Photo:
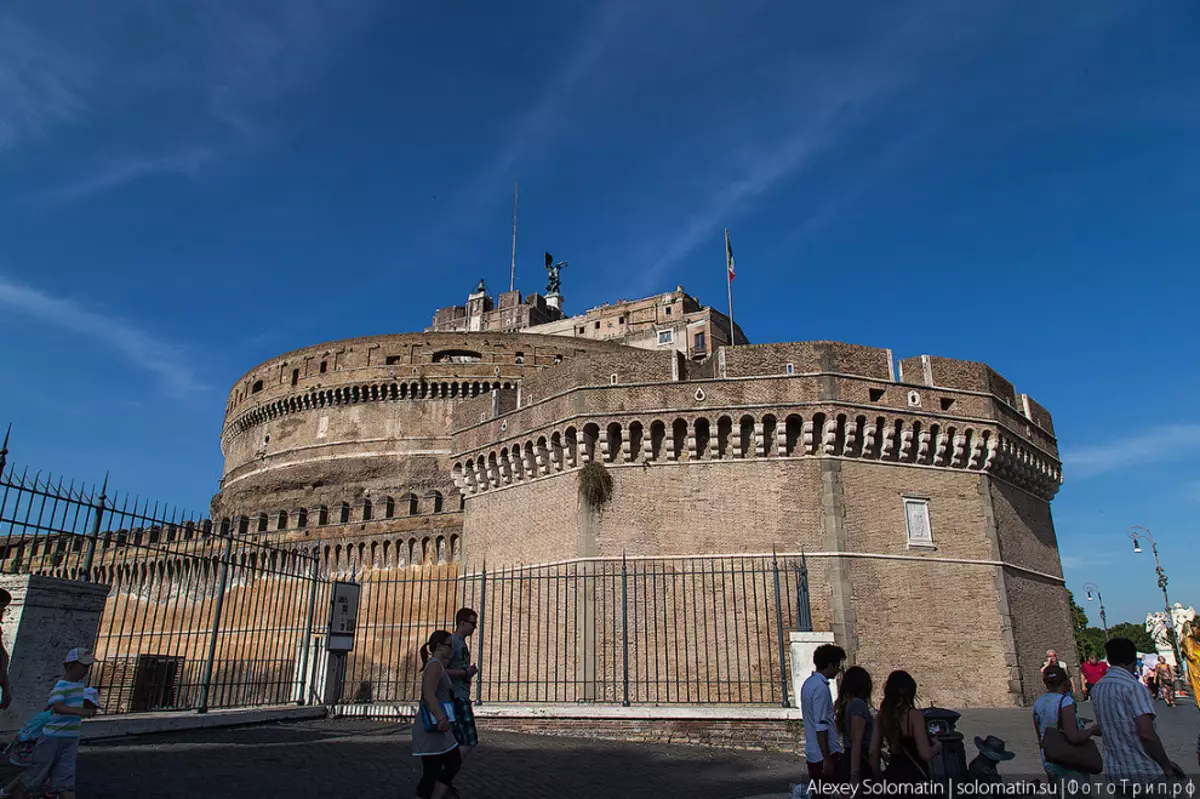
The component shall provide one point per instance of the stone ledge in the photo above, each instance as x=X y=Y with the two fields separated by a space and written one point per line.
x=118 y=726
x=585 y=712
x=721 y=727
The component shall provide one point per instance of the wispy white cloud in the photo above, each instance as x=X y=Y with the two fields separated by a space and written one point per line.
x=259 y=51
x=41 y=85
x=1088 y=561
x=821 y=100
x=1152 y=446
x=138 y=347
x=127 y=170
x=227 y=63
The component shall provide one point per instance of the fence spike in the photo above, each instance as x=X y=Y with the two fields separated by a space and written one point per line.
x=4 y=448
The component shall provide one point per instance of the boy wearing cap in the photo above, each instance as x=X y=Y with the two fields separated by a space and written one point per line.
x=53 y=762
x=20 y=750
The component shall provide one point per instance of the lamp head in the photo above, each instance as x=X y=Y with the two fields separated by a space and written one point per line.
x=1137 y=546
x=1089 y=595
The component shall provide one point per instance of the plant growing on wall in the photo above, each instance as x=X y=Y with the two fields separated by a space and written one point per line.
x=595 y=485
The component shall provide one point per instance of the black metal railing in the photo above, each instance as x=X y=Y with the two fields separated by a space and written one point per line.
x=619 y=631
x=197 y=617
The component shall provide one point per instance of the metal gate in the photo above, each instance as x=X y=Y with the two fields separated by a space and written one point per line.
x=689 y=630
x=197 y=618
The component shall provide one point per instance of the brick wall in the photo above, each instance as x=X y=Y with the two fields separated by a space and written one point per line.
x=1026 y=529
x=941 y=621
x=663 y=509
x=806 y=356
x=1041 y=621
x=517 y=525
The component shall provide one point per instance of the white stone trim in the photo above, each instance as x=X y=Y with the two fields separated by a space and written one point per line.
x=338 y=457
x=725 y=556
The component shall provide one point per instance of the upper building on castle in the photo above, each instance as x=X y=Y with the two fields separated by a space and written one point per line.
x=482 y=315
x=670 y=321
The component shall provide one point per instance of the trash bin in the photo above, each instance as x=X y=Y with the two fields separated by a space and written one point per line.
x=951 y=763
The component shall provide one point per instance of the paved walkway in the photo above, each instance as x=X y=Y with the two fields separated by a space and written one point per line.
x=1178 y=727
x=349 y=758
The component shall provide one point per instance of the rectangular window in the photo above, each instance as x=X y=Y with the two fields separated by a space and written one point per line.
x=699 y=341
x=916 y=513
x=295 y=376
x=666 y=337
x=597 y=324
x=323 y=367
x=392 y=360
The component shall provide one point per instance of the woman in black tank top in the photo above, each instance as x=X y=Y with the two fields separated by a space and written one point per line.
x=900 y=732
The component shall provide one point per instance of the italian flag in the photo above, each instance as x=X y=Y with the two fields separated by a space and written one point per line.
x=729 y=255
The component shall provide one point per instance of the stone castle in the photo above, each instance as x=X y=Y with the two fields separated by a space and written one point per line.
x=919 y=488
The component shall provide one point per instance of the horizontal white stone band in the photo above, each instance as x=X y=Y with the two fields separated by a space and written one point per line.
x=587 y=711
x=862 y=555
x=349 y=455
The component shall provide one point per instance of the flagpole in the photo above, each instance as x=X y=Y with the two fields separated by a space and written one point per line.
x=729 y=287
x=512 y=274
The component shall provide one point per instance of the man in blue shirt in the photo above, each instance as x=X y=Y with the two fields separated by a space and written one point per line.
x=822 y=747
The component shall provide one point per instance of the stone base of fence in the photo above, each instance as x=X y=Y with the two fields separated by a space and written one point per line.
x=47 y=618
x=119 y=726
x=727 y=727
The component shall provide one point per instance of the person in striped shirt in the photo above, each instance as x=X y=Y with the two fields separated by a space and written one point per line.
x=53 y=761
x=1133 y=752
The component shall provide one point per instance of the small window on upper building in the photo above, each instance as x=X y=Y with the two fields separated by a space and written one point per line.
x=916 y=514
x=323 y=367
x=520 y=358
x=597 y=324
x=392 y=360
x=295 y=376
x=668 y=310
x=791 y=368
x=666 y=337
x=700 y=341
x=257 y=387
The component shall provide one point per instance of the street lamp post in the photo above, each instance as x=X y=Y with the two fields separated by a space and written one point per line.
x=1137 y=532
x=1093 y=592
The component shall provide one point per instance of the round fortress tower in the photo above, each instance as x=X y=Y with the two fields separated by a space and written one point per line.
x=918 y=489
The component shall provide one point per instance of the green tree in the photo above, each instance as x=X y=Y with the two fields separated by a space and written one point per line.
x=1079 y=620
x=1094 y=639
x=1134 y=632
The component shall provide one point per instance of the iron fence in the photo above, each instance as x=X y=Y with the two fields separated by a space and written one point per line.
x=198 y=617
x=619 y=631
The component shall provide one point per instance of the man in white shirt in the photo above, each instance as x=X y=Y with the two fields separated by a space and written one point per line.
x=1133 y=752
x=822 y=744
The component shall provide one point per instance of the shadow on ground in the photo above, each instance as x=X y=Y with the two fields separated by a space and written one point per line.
x=337 y=759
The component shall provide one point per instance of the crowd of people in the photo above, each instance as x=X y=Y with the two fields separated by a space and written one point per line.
x=847 y=743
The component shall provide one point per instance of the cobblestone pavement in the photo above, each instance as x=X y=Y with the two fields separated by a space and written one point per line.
x=349 y=758
x=1178 y=728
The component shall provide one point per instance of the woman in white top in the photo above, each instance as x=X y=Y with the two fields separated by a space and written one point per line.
x=1056 y=708
x=437 y=748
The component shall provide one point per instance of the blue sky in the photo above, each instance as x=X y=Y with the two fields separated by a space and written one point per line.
x=187 y=189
